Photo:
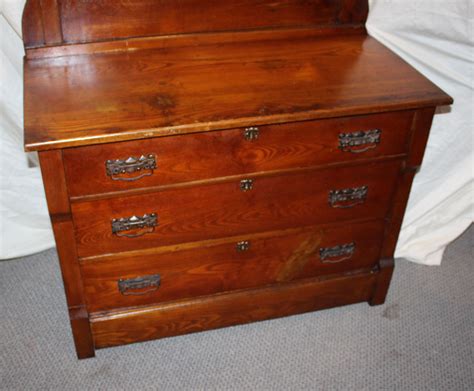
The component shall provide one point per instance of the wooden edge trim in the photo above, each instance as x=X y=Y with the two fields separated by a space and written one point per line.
x=230 y=178
x=230 y=124
x=229 y=309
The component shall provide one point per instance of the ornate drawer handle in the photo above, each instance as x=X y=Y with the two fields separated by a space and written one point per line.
x=139 y=285
x=149 y=221
x=252 y=133
x=355 y=195
x=129 y=166
x=243 y=246
x=337 y=254
x=246 y=184
x=355 y=142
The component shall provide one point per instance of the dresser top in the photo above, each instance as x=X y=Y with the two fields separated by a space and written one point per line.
x=95 y=98
x=84 y=87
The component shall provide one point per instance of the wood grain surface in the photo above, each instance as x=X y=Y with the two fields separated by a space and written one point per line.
x=181 y=81
x=225 y=153
x=209 y=269
x=52 y=170
x=79 y=21
x=219 y=210
x=80 y=100
x=418 y=139
x=229 y=309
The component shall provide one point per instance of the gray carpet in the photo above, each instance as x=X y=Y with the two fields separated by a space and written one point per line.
x=422 y=338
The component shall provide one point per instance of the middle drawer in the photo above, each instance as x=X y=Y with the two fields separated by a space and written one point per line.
x=233 y=208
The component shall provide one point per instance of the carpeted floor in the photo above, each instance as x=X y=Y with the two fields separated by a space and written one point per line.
x=422 y=338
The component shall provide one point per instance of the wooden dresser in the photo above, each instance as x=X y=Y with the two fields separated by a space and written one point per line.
x=210 y=163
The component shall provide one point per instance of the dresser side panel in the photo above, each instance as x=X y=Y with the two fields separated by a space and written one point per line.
x=419 y=137
x=420 y=132
x=54 y=180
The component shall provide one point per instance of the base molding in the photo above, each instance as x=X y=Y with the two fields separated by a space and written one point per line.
x=194 y=315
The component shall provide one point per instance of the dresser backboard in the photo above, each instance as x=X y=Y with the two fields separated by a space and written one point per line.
x=59 y=22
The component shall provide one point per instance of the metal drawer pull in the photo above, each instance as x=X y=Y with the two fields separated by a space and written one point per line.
x=243 y=246
x=355 y=196
x=148 y=221
x=358 y=142
x=337 y=254
x=129 y=166
x=251 y=134
x=139 y=285
x=246 y=184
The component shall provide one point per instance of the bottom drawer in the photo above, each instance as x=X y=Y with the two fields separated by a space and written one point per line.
x=229 y=264
x=232 y=308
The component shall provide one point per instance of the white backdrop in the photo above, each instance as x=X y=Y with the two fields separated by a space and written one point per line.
x=435 y=36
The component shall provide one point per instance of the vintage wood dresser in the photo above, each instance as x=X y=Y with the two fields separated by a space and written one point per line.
x=209 y=163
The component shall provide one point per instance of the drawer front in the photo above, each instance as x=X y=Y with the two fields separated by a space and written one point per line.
x=244 y=262
x=168 y=160
x=233 y=208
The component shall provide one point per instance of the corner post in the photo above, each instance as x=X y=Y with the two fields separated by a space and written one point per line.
x=420 y=131
x=54 y=179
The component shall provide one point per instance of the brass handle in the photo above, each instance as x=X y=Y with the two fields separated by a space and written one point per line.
x=244 y=245
x=351 y=142
x=348 y=198
x=130 y=165
x=337 y=254
x=139 y=285
x=246 y=184
x=148 y=221
x=252 y=133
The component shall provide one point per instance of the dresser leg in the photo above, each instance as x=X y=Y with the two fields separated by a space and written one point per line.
x=382 y=283
x=81 y=333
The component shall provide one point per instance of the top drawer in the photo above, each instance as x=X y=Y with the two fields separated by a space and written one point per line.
x=167 y=160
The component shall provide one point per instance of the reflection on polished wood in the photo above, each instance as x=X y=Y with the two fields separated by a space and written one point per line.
x=78 y=100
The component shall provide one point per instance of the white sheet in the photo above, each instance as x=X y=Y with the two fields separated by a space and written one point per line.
x=435 y=36
x=24 y=221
